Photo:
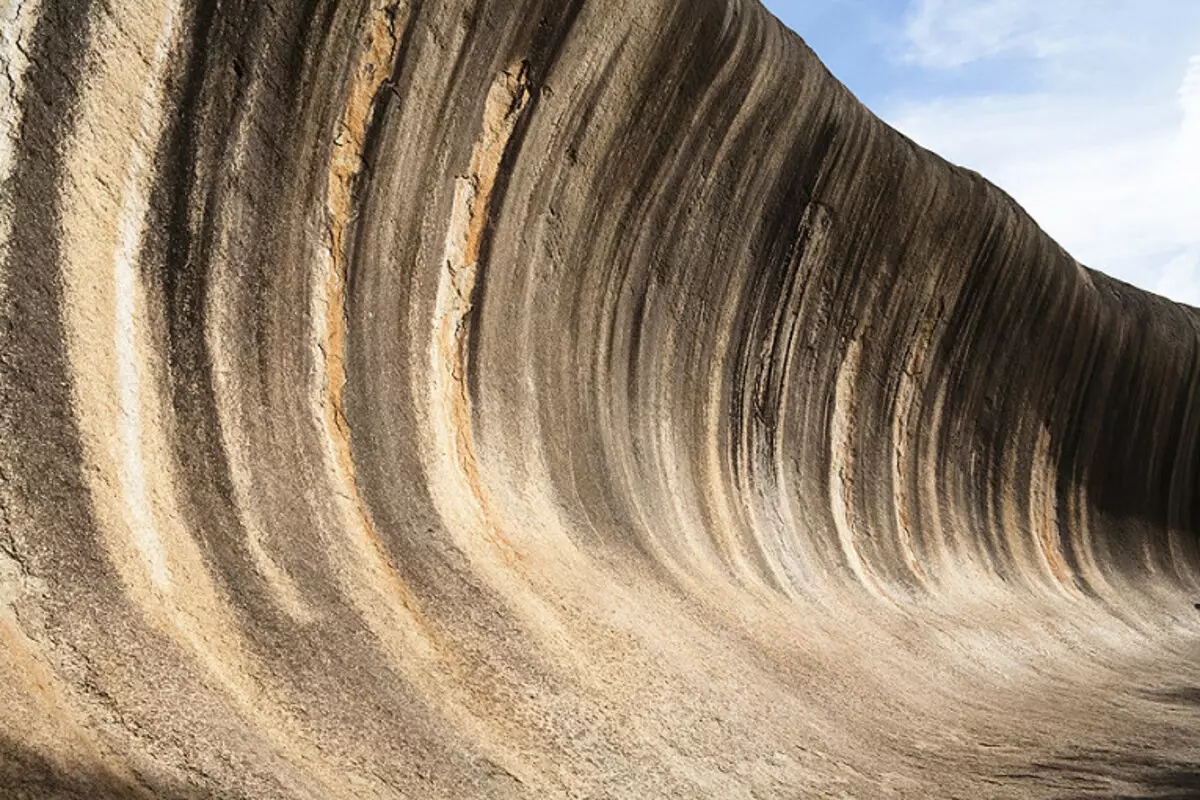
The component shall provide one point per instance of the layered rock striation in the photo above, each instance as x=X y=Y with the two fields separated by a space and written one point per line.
x=559 y=398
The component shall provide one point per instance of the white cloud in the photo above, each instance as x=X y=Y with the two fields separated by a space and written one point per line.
x=1189 y=102
x=1103 y=150
x=1180 y=278
x=950 y=33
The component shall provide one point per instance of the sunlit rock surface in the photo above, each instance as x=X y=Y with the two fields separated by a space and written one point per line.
x=559 y=398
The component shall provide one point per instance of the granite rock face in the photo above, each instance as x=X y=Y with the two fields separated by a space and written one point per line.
x=559 y=398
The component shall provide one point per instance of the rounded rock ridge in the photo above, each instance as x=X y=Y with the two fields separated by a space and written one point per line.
x=550 y=398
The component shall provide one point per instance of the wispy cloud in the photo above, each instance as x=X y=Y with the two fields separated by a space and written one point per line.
x=1103 y=145
x=950 y=33
x=1086 y=111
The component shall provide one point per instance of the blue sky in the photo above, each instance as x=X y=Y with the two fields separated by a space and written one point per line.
x=1086 y=111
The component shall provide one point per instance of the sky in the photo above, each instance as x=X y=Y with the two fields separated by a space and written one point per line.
x=1085 y=111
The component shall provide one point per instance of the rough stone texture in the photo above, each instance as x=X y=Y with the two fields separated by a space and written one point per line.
x=559 y=398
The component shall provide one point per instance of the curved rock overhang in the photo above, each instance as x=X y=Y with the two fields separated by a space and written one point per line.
x=550 y=398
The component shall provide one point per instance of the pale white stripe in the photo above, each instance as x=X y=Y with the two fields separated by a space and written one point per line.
x=17 y=22
x=130 y=226
x=841 y=466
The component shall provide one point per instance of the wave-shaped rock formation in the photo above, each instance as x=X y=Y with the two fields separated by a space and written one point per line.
x=559 y=398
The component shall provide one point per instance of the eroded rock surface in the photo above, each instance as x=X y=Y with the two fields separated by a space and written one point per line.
x=559 y=398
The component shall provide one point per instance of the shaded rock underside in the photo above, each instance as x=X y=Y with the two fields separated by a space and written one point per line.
x=559 y=398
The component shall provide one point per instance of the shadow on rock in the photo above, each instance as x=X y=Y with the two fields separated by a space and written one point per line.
x=28 y=775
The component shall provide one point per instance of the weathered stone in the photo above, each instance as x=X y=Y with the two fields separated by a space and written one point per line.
x=547 y=398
